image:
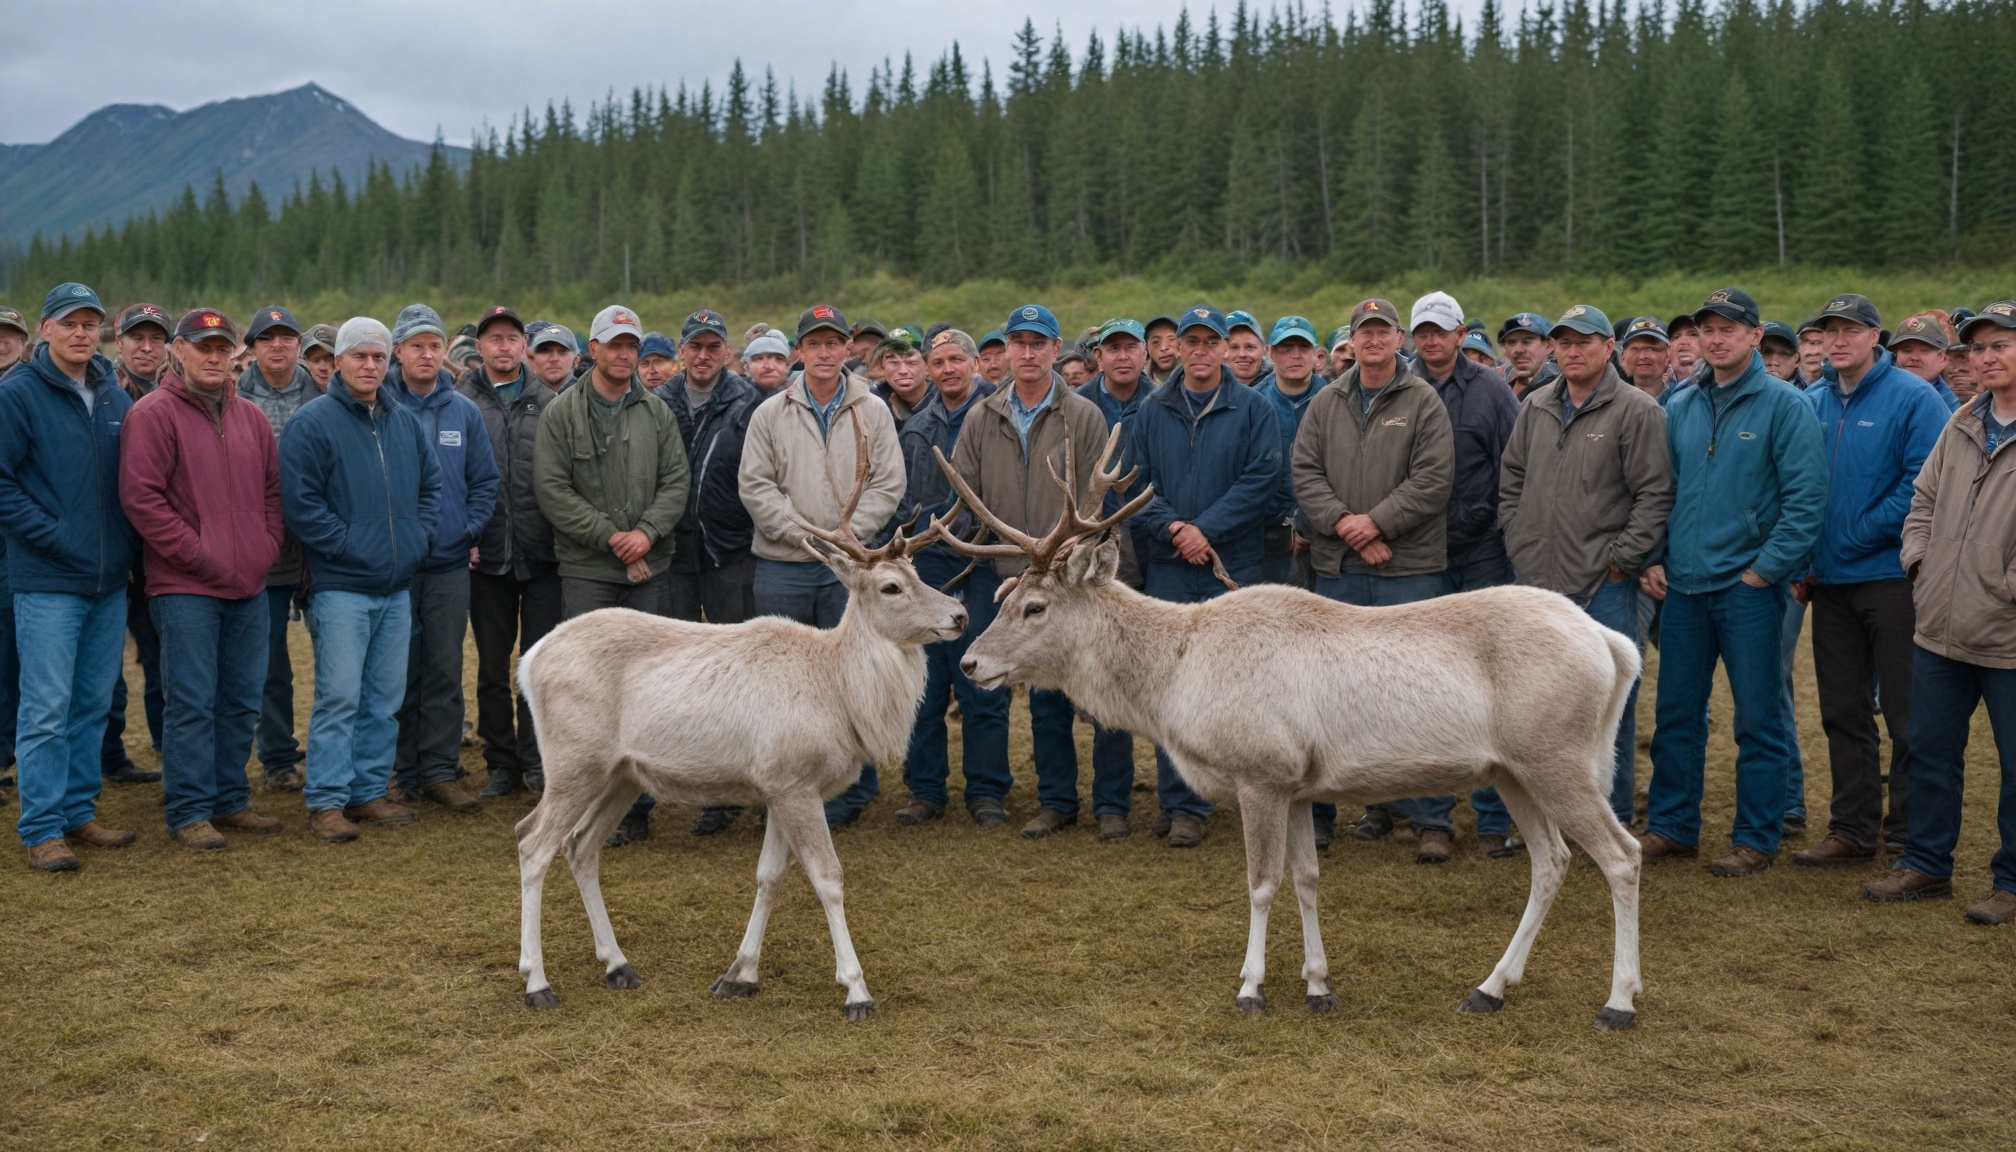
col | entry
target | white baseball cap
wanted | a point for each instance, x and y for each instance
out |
(1439, 309)
(618, 319)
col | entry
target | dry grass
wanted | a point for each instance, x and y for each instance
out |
(1060, 993)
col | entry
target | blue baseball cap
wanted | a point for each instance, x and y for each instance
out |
(1291, 328)
(1159, 318)
(1781, 331)
(1203, 315)
(1240, 318)
(993, 336)
(1525, 322)
(1477, 342)
(1586, 319)
(1031, 318)
(1120, 326)
(1338, 335)
(68, 297)
(655, 344)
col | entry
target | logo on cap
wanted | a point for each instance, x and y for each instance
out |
(2000, 309)
(1719, 296)
(1371, 306)
(1201, 313)
(80, 290)
(1577, 310)
(273, 315)
(1839, 302)
(1642, 323)
(823, 312)
(212, 320)
(944, 337)
(622, 317)
(1029, 313)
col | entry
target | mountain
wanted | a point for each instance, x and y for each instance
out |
(124, 159)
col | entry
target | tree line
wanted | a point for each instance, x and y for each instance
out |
(1606, 139)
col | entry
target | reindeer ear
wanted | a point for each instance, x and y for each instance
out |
(1092, 563)
(828, 555)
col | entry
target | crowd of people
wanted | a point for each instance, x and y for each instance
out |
(1696, 483)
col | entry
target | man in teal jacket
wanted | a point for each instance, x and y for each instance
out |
(1750, 488)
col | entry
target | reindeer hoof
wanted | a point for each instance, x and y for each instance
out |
(543, 998)
(1322, 1005)
(1253, 1005)
(858, 1013)
(728, 989)
(1615, 1020)
(623, 976)
(1480, 1001)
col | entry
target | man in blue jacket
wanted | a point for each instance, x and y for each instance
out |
(361, 490)
(1750, 487)
(429, 758)
(1879, 423)
(70, 552)
(1211, 449)
(1291, 383)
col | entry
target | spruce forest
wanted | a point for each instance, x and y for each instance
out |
(1614, 140)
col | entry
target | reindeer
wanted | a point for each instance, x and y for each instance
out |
(1280, 697)
(768, 712)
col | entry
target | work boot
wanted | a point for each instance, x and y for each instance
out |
(246, 820)
(1908, 884)
(1741, 861)
(1326, 830)
(1376, 824)
(128, 773)
(1998, 908)
(1795, 824)
(1114, 826)
(202, 836)
(1494, 846)
(1185, 830)
(287, 779)
(1834, 851)
(501, 784)
(98, 836)
(1433, 846)
(987, 812)
(1656, 846)
(454, 799)
(400, 796)
(1048, 820)
(379, 811)
(535, 783)
(919, 812)
(53, 855)
(330, 827)
(630, 831)
(1160, 828)
(713, 820)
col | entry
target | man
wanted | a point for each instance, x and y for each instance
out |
(1879, 423)
(769, 360)
(1524, 337)
(1644, 352)
(199, 478)
(318, 354)
(13, 341)
(1290, 386)
(1920, 349)
(1341, 356)
(1073, 369)
(514, 585)
(1211, 450)
(141, 335)
(1779, 347)
(1750, 487)
(1956, 541)
(551, 353)
(142, 340)
(70, 554)
(993, 365)
(1245, 354)
(361, 489)
(905, 386)
(1477, 350)
(1683, 337)
(1162, 352)
(657, 360)
(1959, 358)
(14, 336)
(278, 383)
(429, 757)
(1585, 491)
(1812, 354)
(798, 460)
(865, 336)
(1372, 470)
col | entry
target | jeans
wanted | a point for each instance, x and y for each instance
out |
(1369, 591)
(1741, 626)
(147, 649)
(430, 719)
(69, 648)
(1492, 818)
(1862, 640)
(10, 675)
(724, 595)
(278, 749)
(1183, 584)
(213, 660)
(983, 713)
(1795, 768)
(1290, 568)
(361, 644)
(508, 614)
(579, 596)
(1944, 695)
(810, 593)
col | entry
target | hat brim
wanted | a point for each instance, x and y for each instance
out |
(824, 326)
(1858, 321)
(67, 308)
(423, 330)
(1030, 326)
(1628, 337)
(1973, 322)
(1726, 311)
(1585, 327)
(542, 340)
(511, 320)
(1297, 334)
(703, 330)
(610, 333)
(1193, 322)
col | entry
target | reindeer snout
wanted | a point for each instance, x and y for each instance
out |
(968, 665)
(959, 621)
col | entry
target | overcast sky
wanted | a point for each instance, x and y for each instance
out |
(454, 65)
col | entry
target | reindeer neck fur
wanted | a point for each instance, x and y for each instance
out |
(881, 682)
(1122, 668)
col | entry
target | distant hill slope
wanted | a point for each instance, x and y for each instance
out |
(124, 159)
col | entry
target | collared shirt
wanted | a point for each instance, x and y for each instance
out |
(825, 412)
(1366, 396)
(1568, 405)
(1993, 431)
(1025, 418)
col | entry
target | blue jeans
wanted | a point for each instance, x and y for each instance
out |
(213, 662)
(1742, 627)
(1492, 818)
(147, 653)
(278, 748)
(983, 714)
(1183, 584)
(1795, 768)
(1944, 694)
(360, 681)
(69, 648)
(10, 674)
(1368, 591)
(810, 593)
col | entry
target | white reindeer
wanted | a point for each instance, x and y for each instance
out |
(1280, 697)
(768, 712)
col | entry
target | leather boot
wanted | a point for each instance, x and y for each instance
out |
(98, 836)
(330, 827)
(1114, 826)
(1185, 830)
(1834, 851)
(1908, 884)
(379, 811)
(202, 836)
(454, 799)
(1433, 846)
(1656, 846)
(53, 855)
(1998, 908)
(1741, 861)
(246, 820)
(1047, 821)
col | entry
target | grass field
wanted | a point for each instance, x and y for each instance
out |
(1063, 993)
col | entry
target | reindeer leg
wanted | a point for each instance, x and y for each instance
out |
(1302, 869)
(584, 859)
(539, 835)
(1265, 816)
(1550, 867)
(740, 979)
(804, 821)
(1589, 820)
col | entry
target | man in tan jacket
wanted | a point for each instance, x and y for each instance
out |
(798, 463)
(1957, 539)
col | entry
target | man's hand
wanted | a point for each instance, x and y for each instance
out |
(630, 546)
(1296, 544)
(1357, 530)
(1190, 543)
(1802, 591)
(1653, 581)
(1376, 553)
(638, 571)
(475, 557)
(1618, 575)
(1751, 578)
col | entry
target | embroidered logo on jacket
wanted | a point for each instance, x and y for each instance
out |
(451, 437)
(1394, 422)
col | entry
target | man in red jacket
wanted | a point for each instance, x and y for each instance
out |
(199, 477)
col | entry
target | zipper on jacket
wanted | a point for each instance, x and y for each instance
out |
(391, 520)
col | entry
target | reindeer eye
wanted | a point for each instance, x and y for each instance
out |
(1033, 609)
(891, 589)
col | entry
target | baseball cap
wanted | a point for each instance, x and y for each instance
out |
(1439, 309)
(1375, 309)
(1854, 308)
(1159, 318)
(1531, 322)
(1292, 328)
(704, 320)
(1781, 331)
(2002, 314)
(1684, 320)
(1031, 318)
(1240, 318)
(1338, 335)
(544, 332)
(909, 332)
(267, 319)
(415, 320)
(1921, 328)
(498, 313)
(12, 318)
(613, 321)
(866, 328)
(69, 296)
(954, 336)
(319, 336)
(655, 344)
(1644, 328)
(1204, 316)
(993, 336)
(826, 316)
(134, 315)
(1586, 319)
(1477, 342)
(770, 343)
(1730, 304)
(1120, 326)
(199, 324)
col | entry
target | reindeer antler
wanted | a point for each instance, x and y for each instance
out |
(844, 538)
(1077, 521)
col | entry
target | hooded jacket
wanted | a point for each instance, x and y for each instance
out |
(1481, 411)
(790, 471)
(1959, 545)
(1220, 471)
(594, 483)
(454, 426)
(716, 528)
(1395, 463)
(59, 480)
(517, 542)
(1013, 479)
(361, 489)
(1749, 482)
(1877, 437)
(201, 486)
